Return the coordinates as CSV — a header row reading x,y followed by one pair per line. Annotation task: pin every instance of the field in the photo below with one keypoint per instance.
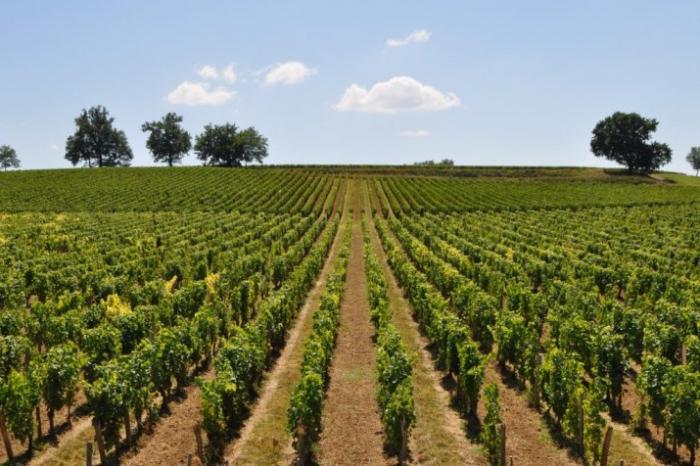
x,y
349,315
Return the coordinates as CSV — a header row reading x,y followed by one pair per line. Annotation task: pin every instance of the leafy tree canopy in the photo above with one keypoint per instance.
x,y
625,138
226,146
8,158
168,141
693,158
96,142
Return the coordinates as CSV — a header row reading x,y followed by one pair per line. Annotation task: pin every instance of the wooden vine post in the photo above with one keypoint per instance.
x,y
6,438
579,429
198,438
606,448
502,453
403,452
88,454
100,441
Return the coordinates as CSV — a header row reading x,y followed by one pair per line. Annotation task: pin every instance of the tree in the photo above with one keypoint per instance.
x,y
168,141
624,138
693,158
8,158
226,146
97,142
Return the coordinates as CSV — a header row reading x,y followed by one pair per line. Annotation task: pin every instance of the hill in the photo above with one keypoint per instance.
x,y
302,188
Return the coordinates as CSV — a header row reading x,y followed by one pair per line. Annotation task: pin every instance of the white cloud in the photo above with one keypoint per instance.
x,y
208,72
191,93
421,35
398,94
211,73
54,147
229,74
288,73
415,133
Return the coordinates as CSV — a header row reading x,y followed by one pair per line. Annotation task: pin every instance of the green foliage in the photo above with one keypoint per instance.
x,y
394,366
226,146
516,343
693,158
8,158
692,350
593,422
490,435
399,416
650,382
214,418
681,393
170,359
304,414
19,396
470,376
62,364
96,142
167,141
560,375
624,138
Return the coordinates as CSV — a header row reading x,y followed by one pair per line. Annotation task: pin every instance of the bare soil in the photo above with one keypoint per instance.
x,y
45,442
352,430
264,438
528,438
173,436
438,438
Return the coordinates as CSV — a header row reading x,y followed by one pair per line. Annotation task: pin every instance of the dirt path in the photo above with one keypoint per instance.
x,y
173,435
438,437
352,432
79,430
44,443
628,447
528,438
264,438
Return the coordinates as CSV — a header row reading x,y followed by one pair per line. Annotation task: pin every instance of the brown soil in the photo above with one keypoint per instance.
x,y
63,428
528,437
77,429
654,441
438,437
352,430
173,436
264,437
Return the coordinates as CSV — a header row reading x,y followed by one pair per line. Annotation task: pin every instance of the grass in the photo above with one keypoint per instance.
x,y
434,442
269,438
681,179
623,448
72,451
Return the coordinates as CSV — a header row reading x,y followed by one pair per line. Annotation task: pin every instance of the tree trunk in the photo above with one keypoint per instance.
x,y
52,430
38,422
403,452
6,437
30,444
100,441
127,427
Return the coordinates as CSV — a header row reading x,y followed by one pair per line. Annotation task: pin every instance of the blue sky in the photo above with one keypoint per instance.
x,y
487,83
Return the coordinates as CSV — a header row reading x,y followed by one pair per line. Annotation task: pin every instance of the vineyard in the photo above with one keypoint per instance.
x,y
367,315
